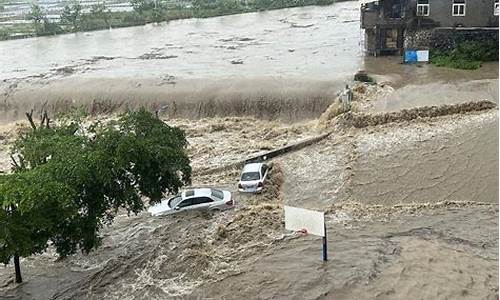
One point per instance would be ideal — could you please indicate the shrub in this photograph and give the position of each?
(467, 55)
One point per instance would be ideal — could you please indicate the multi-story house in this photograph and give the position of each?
(387, 23)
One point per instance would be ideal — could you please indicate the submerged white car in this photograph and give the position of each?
(194, 199)
(253, 177)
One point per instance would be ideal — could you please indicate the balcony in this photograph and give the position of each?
(373, 14)
(369, 14)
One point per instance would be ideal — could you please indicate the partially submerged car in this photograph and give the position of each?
(253, 177)
(210, 199)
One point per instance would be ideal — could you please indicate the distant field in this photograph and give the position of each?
(119, 13)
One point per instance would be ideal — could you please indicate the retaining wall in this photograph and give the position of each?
(448, 38)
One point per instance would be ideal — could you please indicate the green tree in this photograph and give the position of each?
(37, 14)
(141, 6)
(229, 6)
(100, 11)
(32, 205)
(69, 181)
(50, 27)
(156, 10)
(72, 14)
(4, 34)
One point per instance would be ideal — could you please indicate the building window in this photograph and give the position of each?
(496, 8)
(422, 7)
(458, 8)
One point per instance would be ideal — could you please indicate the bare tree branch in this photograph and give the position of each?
(42, 117)
(47, 119)
(14, 162)
(29, 115)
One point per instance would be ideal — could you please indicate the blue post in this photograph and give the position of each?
(325, 247)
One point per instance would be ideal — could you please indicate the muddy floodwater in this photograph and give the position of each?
(410, 202)
(284, 55)
(411, 210)
(312, 41)
(286, 64)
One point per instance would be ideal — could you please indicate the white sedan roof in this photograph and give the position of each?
(253, 167)
(198, 192)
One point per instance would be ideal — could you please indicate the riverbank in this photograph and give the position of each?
(110, 20)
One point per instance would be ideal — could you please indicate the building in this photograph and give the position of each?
(388, 23)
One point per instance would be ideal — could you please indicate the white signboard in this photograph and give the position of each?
(300, 218)
(423, 55)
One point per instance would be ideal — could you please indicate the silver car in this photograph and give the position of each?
(253, 177)
(194, 199)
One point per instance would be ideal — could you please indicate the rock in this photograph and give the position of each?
(237, 61)
(66, 70)
(363, 77)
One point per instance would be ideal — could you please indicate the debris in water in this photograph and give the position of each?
(156, 56)
(237, 61)
(363, 76)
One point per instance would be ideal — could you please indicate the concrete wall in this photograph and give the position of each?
(478, 13)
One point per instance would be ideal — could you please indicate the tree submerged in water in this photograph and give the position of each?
(68, 181)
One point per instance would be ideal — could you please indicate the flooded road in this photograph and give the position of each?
(451, 159)
(411, 207)
(414, 95)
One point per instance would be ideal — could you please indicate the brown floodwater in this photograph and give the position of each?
(284, 64)
(455, 159)
(390, 69)
(313, 41)
(425, 218)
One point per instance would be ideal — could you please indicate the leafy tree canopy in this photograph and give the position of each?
(157, 9)
(72, 14)
(36, 14)
(70, 180)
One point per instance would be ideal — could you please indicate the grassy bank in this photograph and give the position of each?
(144, 15)
(467, 55)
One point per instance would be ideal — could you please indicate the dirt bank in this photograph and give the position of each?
(361, 120)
